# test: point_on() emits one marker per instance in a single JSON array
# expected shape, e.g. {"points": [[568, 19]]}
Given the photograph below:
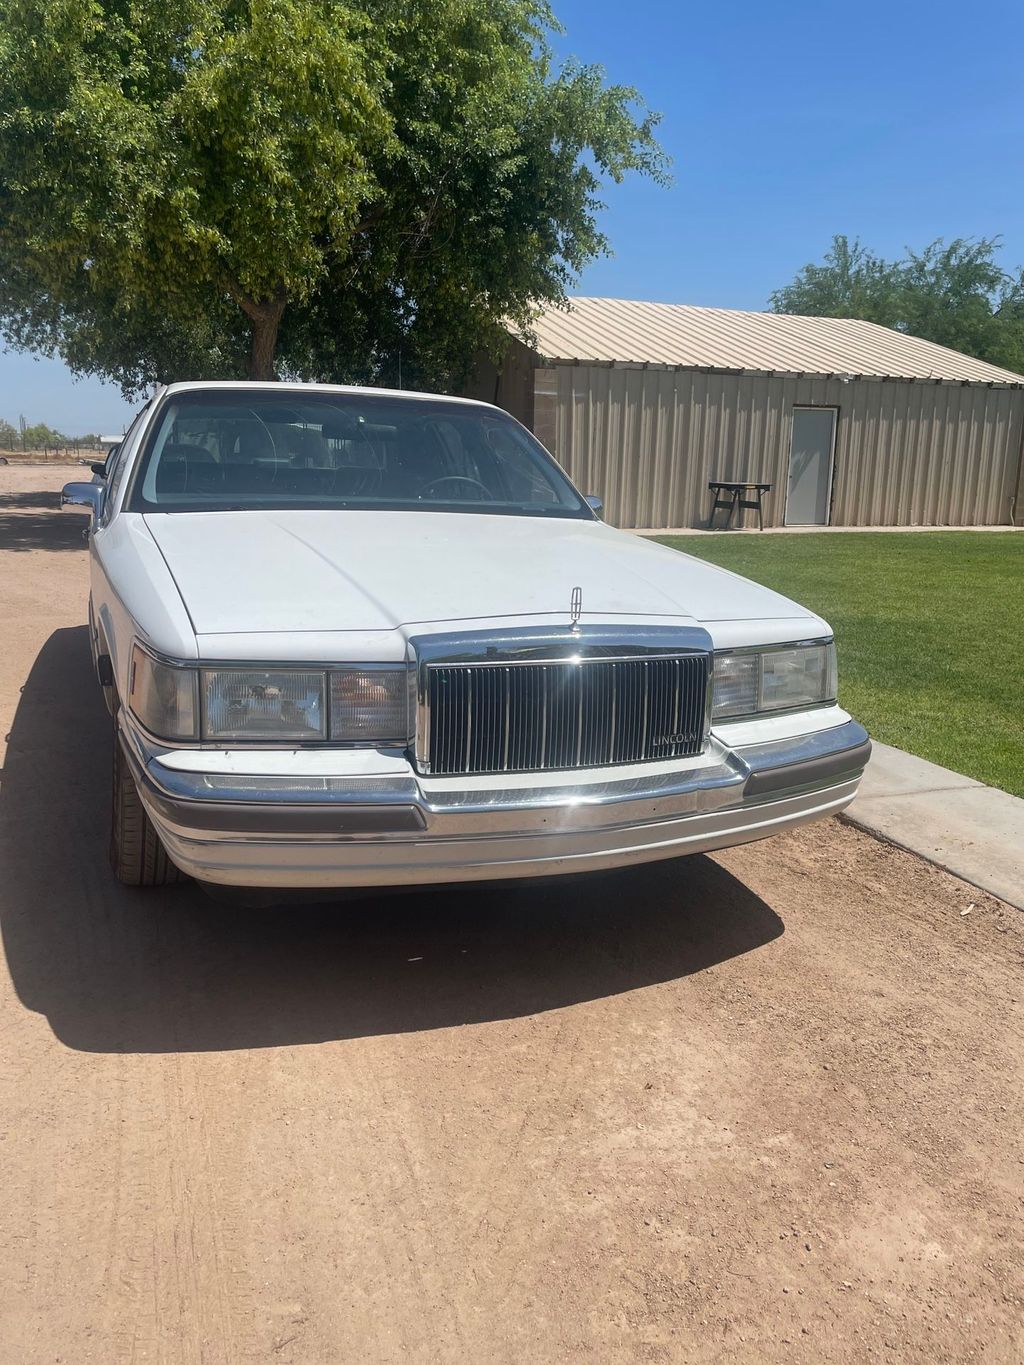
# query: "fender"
{"points": [[102, 662]]}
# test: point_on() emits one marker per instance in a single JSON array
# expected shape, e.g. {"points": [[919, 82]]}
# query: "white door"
{"points": [[810, 466]]}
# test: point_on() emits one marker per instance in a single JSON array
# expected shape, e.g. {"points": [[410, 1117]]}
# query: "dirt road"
{"points": [[765, 1106]]}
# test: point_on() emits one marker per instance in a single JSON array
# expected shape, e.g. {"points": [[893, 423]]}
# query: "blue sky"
{"points": [[897, 123]]}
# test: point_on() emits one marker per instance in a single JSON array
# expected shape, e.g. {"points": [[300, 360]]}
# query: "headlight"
{"points": [[270, 705], [774, 680], [736, 682], [163, 697], [370, 705]]}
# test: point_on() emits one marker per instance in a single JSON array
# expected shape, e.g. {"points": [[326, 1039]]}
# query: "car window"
{"points": [[518, 473], [117, 464], [211, 450]]}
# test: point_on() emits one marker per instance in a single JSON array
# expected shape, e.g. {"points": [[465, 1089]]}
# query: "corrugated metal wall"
{"points": [[907, 453]]}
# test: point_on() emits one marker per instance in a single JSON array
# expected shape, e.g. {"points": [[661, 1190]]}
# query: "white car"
{"points": [[352, 637]]}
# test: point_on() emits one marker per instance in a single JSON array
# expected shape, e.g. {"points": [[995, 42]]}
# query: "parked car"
{"points": [[351, 637]]}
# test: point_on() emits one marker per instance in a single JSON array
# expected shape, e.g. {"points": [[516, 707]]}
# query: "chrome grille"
{"points": [[557, 714]]}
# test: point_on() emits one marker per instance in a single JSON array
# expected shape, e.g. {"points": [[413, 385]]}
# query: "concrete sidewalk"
{"points": [[973, 831]]}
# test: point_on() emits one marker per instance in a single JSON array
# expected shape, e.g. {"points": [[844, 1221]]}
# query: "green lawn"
{"points": [[929, 627]]}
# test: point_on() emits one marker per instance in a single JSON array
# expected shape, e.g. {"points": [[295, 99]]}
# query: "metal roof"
{"points": [[673, 335]]}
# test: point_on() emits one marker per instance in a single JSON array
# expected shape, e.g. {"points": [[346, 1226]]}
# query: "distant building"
{"points": [[853, 424]]}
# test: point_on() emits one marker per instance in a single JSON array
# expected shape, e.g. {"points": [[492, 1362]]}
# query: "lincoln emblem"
{"points": [[576, 606]]}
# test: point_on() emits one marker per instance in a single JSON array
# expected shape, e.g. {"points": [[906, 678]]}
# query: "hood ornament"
{"points": [[576, 608]]}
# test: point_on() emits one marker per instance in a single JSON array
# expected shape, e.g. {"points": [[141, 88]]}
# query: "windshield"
{"points": [[221, 451]]}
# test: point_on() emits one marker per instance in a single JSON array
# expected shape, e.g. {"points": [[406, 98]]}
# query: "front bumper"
{"points": [[396, 828]]}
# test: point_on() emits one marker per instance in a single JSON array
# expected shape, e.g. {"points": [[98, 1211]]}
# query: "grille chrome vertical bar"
{"points": [[629, 744], [507, 694], [469, 719], [543, 713], [645, 729], [614, 723]]}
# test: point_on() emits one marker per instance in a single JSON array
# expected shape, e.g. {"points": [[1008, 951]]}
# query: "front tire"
{"points": [[136, 853]]}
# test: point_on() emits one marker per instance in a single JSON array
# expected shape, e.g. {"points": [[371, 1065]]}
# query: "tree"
{"points": [[39, 436], [98, 330], [366, 179], [956, 295]]}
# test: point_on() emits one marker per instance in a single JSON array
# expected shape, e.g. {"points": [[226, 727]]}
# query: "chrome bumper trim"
{"points": [[429, 859], [252, 818], [811, 761], [361, 809]]}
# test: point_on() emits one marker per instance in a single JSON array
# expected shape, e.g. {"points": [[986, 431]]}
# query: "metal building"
{"points": [[852, 424]]}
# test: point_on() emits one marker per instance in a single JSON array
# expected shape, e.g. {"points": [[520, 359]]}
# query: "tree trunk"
{"points": [[265, 317], [261, 347]]}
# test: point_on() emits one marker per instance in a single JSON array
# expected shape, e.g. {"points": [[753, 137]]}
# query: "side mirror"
{"points": [[87, 495], [99, 468], [595, 504]]}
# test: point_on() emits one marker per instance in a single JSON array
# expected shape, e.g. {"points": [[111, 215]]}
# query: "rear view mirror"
{"points": [[99, 468]]}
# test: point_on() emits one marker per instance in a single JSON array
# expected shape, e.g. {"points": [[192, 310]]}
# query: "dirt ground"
{"points": [[766, 1106]]}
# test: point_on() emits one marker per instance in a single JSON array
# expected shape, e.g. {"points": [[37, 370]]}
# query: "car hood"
{"points": [[253, 572]]}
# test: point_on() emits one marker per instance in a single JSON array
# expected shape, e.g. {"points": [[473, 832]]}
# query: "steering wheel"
{"points": [[457, 478]]}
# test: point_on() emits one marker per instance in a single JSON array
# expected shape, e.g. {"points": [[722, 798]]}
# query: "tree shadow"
{"points": [[42, 530], [38, 497], [117, 970]]}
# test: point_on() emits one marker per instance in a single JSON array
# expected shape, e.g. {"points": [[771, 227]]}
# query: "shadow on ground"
{"points": [[46, 498], [116, 970], [42, 530]]}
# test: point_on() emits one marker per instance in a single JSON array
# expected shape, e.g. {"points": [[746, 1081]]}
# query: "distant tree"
{"points": [[850, 283], [956, 295], [39, 436], [382, 177]]}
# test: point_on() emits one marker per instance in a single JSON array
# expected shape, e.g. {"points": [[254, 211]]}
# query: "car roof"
{"points": [[275, 386]]}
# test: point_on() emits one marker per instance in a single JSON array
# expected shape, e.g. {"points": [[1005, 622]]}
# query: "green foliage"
{"points": [[929, 657], [38, 436], [956, 295], [391, 178]]}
